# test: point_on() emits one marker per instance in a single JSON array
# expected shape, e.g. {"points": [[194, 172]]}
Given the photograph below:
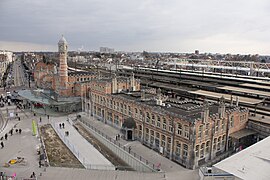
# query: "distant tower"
{"points": [[63, 68]]}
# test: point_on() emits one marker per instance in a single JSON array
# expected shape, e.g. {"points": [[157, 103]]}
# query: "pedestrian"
{"points": [[20, 131], [116, 137], [17, 114], [60, 125], [63, 125], [48, 116], [16, 131], [39, 163], [40, 119], [2, 144], [6, 135], [34, 114], [19, 118], [129, 149], [11, 132], [33, 175]]}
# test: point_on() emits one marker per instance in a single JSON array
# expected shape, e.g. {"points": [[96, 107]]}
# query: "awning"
{"points": [[242, 133]]}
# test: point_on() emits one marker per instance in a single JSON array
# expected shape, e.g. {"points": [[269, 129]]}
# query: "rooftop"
{"points": [[189, 110]]}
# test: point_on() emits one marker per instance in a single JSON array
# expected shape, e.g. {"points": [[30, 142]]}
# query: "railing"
{"points": [[124, 150]]}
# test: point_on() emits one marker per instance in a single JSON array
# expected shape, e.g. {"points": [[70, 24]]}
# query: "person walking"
{"points": [[40, 119], [63, 125], [39, 163], [6, 135], [19, 118], [20, 131], [2, 144], [48, 116], [60, 125]]}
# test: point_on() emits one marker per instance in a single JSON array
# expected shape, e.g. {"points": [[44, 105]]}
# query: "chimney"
{"points": [[132, 83], [114, 84], [205, 112], [221, 107], [231, 100], [159, 97], [237, 100], [142, 95]]}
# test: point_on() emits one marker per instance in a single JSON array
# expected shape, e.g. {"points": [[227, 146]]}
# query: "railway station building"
{"points": [[188, 132]]}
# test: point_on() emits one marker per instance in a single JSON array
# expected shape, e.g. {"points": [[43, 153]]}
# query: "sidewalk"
{"points": [[86, 153]]}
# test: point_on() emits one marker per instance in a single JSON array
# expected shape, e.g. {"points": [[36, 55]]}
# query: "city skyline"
{"points": [[236, 27]]}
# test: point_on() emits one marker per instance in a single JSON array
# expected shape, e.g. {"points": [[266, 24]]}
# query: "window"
{"points": [[164, 125], [117, 106], [215, 143], [223, 125], [197, 151], [129, 111], [136, 113], [170, 125], [223, 140], [218, 143], [141, 115], [116, 119], [152, 136], [178, 148], [146, 134], [200, 131], [185, 151], [158, 121], [125, 109], [217, 125], [202, 151], [157, 139], [186, 131], [206, 129], [179, 129], [207, 146], [121, 107], [153, 120], [147, 117], [168, 143], [163, 139], [231, 121]]}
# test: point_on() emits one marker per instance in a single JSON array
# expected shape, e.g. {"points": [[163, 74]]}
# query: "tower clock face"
{"points": [[62, 48]]}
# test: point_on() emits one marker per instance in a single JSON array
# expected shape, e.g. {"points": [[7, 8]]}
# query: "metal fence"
{"points": [[136, 161]]}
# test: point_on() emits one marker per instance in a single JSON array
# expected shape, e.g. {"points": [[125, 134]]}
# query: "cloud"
{"points": [[22, 46], [156, 25]]}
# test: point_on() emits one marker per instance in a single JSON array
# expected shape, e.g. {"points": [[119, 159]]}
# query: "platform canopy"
{"points": [[250, 163], [45, 97]]}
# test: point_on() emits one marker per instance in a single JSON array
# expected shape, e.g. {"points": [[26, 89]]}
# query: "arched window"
{"points": [[158, 121], [179, 129], [197, 150], [164, 124], [202, 150], [153, 120], [186, 131], [147, 117]]}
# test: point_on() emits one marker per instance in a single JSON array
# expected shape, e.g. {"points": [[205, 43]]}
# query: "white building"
{"points": [[106, 50]]}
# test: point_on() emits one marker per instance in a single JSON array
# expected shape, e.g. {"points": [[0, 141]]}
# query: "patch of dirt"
{"points": [[59, 155], [106, 152]]}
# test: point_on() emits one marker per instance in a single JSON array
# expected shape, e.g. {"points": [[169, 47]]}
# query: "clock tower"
{"points": [[63, 68]]}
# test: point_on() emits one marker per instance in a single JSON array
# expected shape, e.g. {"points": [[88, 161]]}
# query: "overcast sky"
{"points": [[216, 26]]}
